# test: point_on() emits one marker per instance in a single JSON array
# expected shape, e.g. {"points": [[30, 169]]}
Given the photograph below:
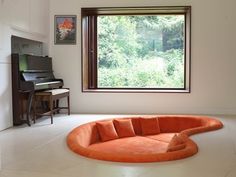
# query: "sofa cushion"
{"points": [[150, 126], [130, 145], [176, 147], [137, 125], [124, 128], [176, 143], [107, 130], [165, 137]]}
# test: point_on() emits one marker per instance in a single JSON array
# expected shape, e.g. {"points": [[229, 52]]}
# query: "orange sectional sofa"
{"points": [[140, 139]]}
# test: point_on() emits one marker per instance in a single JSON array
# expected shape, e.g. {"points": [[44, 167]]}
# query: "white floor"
{"points": [[41, 151]]}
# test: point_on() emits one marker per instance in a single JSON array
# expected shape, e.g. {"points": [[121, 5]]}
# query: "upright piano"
{"points": [[30, 74]]}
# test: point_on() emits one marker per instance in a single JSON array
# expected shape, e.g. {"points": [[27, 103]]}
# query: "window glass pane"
{"points": [[141, 51]]}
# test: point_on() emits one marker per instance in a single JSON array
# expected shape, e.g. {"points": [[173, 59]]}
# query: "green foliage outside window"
{"points": [[141, 51]]}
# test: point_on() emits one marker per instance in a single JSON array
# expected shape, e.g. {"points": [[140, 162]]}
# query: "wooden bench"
{"points": [[52, 97]]}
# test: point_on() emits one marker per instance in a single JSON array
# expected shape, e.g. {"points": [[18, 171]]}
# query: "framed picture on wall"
{"points": [[65, 29]]}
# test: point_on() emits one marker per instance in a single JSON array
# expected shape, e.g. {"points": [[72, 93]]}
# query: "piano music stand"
{"points": [[51, 96]]}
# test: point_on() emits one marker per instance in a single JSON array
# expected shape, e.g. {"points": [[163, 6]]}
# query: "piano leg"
{"points": [[29, 104]]}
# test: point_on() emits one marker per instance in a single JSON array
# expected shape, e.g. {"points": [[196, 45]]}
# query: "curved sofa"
{"points": [[86, 139]]}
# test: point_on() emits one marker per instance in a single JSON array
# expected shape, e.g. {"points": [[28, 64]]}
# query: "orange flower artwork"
{"points": [[65, 29]]}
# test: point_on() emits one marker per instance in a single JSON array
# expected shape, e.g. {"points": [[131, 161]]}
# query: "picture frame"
{"points": [[65, 27]]}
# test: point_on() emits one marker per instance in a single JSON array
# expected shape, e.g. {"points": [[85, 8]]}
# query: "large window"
{"points": [[136, 49]]}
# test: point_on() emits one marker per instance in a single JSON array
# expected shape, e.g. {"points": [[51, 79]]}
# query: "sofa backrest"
{"points": [[172, 124]]}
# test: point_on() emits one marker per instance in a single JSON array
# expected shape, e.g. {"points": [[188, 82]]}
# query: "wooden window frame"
{"points": [[89, 45]]}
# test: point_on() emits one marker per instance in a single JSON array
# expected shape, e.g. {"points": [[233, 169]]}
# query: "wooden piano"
{"points": [[29, 74]]}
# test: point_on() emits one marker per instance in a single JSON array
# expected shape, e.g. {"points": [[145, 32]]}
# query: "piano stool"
{"points": [[52, 97]]}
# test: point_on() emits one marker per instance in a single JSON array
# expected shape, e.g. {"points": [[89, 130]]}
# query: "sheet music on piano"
{"points": [[30, 74]]}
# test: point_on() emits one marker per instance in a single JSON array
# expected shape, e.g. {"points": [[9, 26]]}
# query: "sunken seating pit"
{"points": [[140, 139]]}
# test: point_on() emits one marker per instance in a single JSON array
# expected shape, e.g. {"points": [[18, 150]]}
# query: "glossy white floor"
{"points": [[41, 150]]}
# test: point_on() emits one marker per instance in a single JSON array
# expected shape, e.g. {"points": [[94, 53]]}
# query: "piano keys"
{"points": [[30, 74]]}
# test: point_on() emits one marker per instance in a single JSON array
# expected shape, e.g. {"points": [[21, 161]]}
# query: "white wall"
{"points": [[27, 19], [213, 72]]}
